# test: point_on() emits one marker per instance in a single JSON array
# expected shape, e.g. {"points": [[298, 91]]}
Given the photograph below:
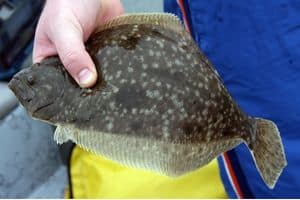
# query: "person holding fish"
{"points": [[254, 47]]}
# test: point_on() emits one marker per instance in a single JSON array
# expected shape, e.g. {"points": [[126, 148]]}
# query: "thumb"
{"points": [[71, 50]]}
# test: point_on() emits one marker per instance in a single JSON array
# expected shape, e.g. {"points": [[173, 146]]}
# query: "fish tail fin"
{"points": [[268, 151]]}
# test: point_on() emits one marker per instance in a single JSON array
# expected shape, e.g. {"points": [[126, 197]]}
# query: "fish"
{"points": [[158, 104]]}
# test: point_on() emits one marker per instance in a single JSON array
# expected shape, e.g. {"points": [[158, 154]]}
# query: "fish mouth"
{"points": [[22, 91]]}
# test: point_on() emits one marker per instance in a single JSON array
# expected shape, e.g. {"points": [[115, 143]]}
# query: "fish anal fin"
{"points": [[63, 134]]}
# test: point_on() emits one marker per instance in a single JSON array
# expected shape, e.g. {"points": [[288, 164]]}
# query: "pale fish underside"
{"points": [[159, 156]]}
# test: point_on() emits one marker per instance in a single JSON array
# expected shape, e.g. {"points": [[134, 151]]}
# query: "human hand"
{"points": [[63, 28]]}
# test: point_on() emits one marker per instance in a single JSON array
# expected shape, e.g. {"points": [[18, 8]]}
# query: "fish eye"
{"points": [[30, 79]]}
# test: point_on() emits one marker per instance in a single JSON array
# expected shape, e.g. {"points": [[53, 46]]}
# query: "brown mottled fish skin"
{"points": [[164, 83], [155, 87]]}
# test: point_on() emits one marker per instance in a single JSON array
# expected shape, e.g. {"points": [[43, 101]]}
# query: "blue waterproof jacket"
{"points": [[255, 46]]}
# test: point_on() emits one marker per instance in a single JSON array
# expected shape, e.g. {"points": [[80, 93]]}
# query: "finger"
{"points": [[42, 50], [42, 46], [71, 50], [110, 9]]}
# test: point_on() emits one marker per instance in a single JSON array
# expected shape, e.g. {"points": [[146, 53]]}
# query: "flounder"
{"points": [[158, 104]]}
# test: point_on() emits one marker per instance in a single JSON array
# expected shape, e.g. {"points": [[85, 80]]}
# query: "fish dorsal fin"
{"points": [[165, 20]]}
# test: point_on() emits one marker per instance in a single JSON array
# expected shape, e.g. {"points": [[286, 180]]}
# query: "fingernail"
{"points": [[85, 77]]}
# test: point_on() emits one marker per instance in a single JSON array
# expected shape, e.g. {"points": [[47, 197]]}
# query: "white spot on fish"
{"points": [[188, 56], [48, 87], [144, 74], [109, 126], [112, 105], [133, 111], [174, 48], [160, 43], [204, 112], [169, 64], [147, 111], [141, 58], [182, 110], [166, 122], [105, 64], [207, 103], [176, 102], [165, 132], [130, 69], [108, 52], [151, 52], [158, 54], [152, 94], [118, 74], [144, 84], [145, 66], [181, 50], [164, 116], [109, 78], [155, 65], [170, 111], [113, 42], [123, 81], [187, 89], [178, 62]]}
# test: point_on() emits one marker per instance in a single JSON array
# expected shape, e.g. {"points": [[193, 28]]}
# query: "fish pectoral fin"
{"points": [[268, 152], [62, 134]]}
